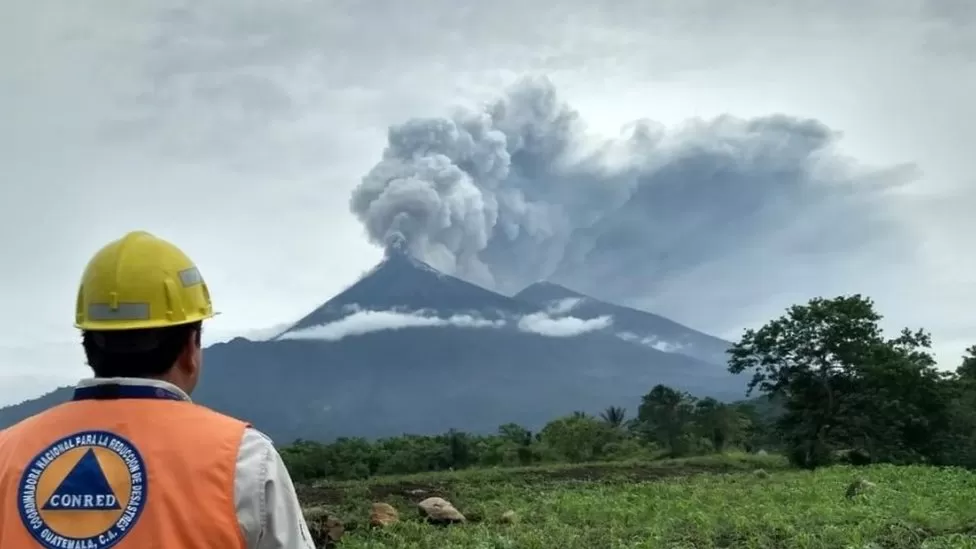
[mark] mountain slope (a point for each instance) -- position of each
(401, 282)
(630, 324)
(341, 372)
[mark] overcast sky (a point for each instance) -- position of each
(238, 129)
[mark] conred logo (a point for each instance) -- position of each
(85, 491)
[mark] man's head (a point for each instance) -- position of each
(172, 354)
(140, 307)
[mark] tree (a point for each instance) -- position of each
(958, 443)
(967, 370)
(614, 416)
(515, 433)
(841, 382)
(578, 438)
(665, 417)
(718, 422)
(517, 439)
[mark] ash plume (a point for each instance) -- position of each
(519, 192)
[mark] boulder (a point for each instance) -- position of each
(326, 528)
(383, 514)
(440, 511)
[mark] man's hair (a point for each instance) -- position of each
(137, 353)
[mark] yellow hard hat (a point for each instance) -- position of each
(141, 281)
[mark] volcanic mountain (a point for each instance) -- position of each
(410, 349)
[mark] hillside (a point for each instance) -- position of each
(409, 349)
(630, 324)
(401, 282)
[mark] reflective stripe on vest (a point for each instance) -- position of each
(120, 466)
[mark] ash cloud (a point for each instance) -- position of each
(519, 192)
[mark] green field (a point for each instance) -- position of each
(695, 503)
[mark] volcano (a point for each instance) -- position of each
(409, 349)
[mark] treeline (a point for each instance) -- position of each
(830, 388)
(668, 423)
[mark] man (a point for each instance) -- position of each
(130, 462)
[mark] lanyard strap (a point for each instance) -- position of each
(116, 391)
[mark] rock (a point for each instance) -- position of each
(859, 487)
(383, 514)
(416, 492)
(326, 528)
(509, 517)
(439, 511)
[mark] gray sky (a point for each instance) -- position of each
(238, 129)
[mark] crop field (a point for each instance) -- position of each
(727, 502)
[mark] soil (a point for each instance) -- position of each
(413, 491)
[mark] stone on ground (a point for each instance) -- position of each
(383, 514)
(326, 528)
(439, 511)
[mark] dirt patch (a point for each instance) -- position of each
(334, 495)
(409, 491)
(636, 472)
(321, 494)
(414, 491)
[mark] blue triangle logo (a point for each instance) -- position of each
(84, 489)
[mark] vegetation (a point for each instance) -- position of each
(846, 388)
(630, 505)
(831, 389)
(659, 431)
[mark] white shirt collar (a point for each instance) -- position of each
(135, 381)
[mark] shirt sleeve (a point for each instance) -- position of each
(268, 509)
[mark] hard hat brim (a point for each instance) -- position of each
(109, 326)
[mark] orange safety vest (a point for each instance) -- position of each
(127, 467)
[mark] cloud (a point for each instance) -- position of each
(364, 322)
(519, 191)
(255, 109)
(563, 306)
(367, 321)
(259, 334)
(567, 326)
(34, 369)
(652, 342)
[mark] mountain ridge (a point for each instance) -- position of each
(407, 348)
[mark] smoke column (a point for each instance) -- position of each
(518, 192)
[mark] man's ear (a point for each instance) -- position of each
(188, 355)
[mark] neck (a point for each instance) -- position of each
(161, 382)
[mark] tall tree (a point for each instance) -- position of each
(958, 444)
(665, 417)
(614, 416)
(967, 370)
(578, 438)
(718, 422)
(840, 380)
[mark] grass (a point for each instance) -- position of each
(668, 504)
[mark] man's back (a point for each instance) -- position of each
(131, 461)
(121, 473)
